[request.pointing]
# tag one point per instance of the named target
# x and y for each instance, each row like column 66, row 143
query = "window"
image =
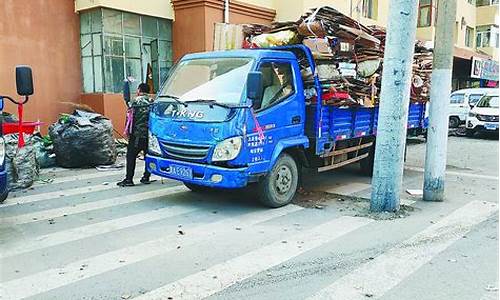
column 488, row 101
column 469, row 37
column 115, row 45
column 486, row 2
column 278, row 83
column 457, row 99
column 484, row 37
column 473, row 98
column 370, row 9
column 425, row 13
column 473, row 2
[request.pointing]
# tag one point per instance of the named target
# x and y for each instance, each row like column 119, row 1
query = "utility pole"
column 437, row 133
column 394, row 102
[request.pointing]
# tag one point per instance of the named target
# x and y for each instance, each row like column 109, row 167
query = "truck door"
column 281, row 113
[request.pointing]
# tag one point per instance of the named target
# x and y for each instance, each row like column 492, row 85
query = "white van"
column 484, row 116
column 462, row 101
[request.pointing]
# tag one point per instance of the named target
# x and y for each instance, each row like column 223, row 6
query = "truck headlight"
column 153, row 144
column 2, row 150
column 227, row 149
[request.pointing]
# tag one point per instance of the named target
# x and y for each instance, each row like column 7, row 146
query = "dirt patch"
column 347, row 205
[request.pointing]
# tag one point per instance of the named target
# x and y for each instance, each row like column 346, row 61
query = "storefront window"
column 115, row 45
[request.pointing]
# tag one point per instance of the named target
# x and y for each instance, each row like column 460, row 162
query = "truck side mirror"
column 24, row 81
column 255, row 88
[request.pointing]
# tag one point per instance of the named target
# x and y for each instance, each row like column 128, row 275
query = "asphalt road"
column 81, row 237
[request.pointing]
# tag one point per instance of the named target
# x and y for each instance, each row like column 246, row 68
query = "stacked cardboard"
column 348, row 56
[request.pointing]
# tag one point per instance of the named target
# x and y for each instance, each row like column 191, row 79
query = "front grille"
column 486, row 118
column 185, row 151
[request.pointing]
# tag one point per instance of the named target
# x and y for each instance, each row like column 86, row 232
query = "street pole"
column 394, row 102
column 437, row 133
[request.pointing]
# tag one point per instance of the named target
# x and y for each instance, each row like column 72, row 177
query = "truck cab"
column 230, row 119
column 206, row 131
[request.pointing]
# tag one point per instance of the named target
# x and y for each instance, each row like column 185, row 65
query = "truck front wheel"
column 279, row 186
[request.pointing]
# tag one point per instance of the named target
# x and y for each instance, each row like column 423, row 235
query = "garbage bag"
column 21, row 164
column 83, row 139
column 44, row 152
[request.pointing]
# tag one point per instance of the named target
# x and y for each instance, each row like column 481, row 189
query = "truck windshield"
column 488, row 101
column 218, row 79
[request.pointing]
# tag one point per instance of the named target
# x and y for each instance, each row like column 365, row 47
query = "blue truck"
column 231, row 119
column 24, row 85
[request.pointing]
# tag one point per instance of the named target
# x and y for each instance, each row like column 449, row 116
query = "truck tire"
column 279, row 186
column 197, row 188
column 469, row 132
column 367, row 163
column 454, row 122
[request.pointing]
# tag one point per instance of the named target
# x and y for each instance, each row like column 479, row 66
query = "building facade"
column 81, row 51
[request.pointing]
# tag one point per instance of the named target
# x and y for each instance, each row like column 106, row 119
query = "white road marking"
column 96, row 174
column 349, row 189
column 221, row 276
column 54, row 278
column 354, row 187
column 407, row 202
column 57, row 194
column 459, row 174
column 88, row 206
column 389, row 269
column 91, row 230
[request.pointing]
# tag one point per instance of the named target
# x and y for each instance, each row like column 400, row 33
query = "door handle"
column 296, row 120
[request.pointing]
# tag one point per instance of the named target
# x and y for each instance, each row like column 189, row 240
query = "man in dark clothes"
column 137, row 129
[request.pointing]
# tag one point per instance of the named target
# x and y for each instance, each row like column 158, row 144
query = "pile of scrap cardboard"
column 348, row 56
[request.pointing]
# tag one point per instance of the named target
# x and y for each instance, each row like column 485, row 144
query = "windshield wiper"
column 212, row 102
column 175, row 98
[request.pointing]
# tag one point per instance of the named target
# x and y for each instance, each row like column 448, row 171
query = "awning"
column 468, row 54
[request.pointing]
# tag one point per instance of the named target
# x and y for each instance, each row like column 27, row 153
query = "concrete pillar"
column 394, row 102
column 437, row 136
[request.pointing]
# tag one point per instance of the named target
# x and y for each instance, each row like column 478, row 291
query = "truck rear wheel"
column 279, row 186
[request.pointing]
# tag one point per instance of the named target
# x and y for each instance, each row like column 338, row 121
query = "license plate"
column 491, row 126
column 181, row 171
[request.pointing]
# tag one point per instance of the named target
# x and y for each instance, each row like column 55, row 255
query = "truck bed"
column 343, row 123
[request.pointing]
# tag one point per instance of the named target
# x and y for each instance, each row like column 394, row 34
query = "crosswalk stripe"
column 53, row 278
column 57, row 194
column 221, row 276
column 383, row 273
column 460, row 174
column 349, row 189
column 91, row 230
column 88, row 206
column 71, row 178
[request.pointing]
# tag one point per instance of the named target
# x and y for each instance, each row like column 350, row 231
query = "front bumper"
column 201, row 174
column 477, row 125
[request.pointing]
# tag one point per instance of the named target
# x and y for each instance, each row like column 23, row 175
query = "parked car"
column 484, row 116
column 462, row 101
